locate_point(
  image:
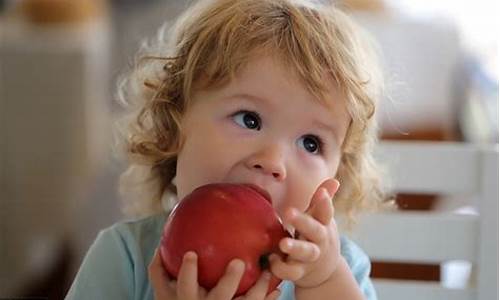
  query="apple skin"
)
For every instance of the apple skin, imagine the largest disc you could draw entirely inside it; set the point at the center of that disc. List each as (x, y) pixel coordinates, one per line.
(220, 222)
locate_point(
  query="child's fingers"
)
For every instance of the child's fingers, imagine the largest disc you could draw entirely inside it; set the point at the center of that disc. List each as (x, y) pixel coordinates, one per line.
(163, 289)
(259, 290)
(187, 281)
(300, 250)
(290, 270)
(228, 283)
(323, 207)
(272, 296)
(308, 227)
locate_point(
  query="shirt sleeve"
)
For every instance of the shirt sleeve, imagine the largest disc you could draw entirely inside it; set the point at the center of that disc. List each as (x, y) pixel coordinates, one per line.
(360, 266)
(106, 271)
(287, 290)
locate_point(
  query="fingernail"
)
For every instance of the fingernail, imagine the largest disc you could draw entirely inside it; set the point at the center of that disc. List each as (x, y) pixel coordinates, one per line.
(289, 228)
(327, 194)
(287, 244)
(190, 256)
(275, 294)
(237, 265)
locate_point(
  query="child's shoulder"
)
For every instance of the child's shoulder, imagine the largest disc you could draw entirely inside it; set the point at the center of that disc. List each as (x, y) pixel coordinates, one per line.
(117, 261)
(135, 226)
(136, 237)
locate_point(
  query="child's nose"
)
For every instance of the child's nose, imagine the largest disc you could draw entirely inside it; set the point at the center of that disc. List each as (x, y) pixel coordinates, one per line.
(269, 162)
(279, 175)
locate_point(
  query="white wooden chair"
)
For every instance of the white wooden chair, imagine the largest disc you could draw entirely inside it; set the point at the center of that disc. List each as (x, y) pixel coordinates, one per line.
(437, 237)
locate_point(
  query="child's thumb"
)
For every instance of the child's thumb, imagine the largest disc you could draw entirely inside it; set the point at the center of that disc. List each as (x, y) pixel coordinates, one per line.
(331, 185)
(321, 207)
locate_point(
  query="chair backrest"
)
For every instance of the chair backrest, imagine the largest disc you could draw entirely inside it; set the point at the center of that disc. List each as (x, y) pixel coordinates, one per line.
(451, 169)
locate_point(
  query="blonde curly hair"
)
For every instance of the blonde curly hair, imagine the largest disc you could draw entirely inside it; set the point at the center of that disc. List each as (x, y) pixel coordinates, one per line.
(212, 41)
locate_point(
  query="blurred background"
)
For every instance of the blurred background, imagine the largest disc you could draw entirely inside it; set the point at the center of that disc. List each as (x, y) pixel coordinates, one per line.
(59, 62)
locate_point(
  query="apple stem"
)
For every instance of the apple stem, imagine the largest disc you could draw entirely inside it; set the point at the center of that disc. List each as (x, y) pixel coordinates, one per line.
(264, 261)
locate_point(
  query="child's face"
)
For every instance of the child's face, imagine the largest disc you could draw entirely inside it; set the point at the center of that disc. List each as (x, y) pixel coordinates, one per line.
(263, 128)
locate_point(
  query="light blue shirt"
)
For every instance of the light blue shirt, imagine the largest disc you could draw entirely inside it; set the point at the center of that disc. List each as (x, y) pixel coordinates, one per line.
(116, 265)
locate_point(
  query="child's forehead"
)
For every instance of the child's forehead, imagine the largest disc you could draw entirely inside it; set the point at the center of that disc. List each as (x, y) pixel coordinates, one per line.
(267, 81)
(266, 76)
(270, 74)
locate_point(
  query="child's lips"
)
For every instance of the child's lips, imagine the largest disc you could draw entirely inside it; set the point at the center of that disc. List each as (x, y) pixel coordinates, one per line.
(261, 191)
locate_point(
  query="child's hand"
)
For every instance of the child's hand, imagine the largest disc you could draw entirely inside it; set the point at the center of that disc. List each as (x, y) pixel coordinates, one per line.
(186, 287)
(314, 256)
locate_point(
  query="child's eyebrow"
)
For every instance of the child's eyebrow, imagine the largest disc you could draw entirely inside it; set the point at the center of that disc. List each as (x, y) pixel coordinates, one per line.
(251, 98)
(256, 100)
(326, 127)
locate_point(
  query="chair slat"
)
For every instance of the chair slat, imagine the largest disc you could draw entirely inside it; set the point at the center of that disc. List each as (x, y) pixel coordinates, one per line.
(418, 237)
(456, 169)
(415, 290)
(435, 168)
(488, 235)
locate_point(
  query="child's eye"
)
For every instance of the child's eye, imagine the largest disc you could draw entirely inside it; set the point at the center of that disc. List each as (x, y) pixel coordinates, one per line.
(311, 143)
(247, 119)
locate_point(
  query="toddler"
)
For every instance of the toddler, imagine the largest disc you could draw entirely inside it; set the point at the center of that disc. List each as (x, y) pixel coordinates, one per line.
(276, 93)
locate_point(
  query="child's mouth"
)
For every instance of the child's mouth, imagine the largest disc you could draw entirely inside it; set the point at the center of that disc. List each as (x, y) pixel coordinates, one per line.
(261, 191)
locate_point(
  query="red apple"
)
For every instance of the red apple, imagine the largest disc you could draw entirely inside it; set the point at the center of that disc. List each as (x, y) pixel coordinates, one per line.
(220, 222)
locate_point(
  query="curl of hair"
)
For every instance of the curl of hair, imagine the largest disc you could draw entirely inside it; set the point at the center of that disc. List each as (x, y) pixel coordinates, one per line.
(206, 47)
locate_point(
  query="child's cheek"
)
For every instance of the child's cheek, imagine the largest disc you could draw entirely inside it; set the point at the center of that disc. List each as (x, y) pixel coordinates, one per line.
(309, 161)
